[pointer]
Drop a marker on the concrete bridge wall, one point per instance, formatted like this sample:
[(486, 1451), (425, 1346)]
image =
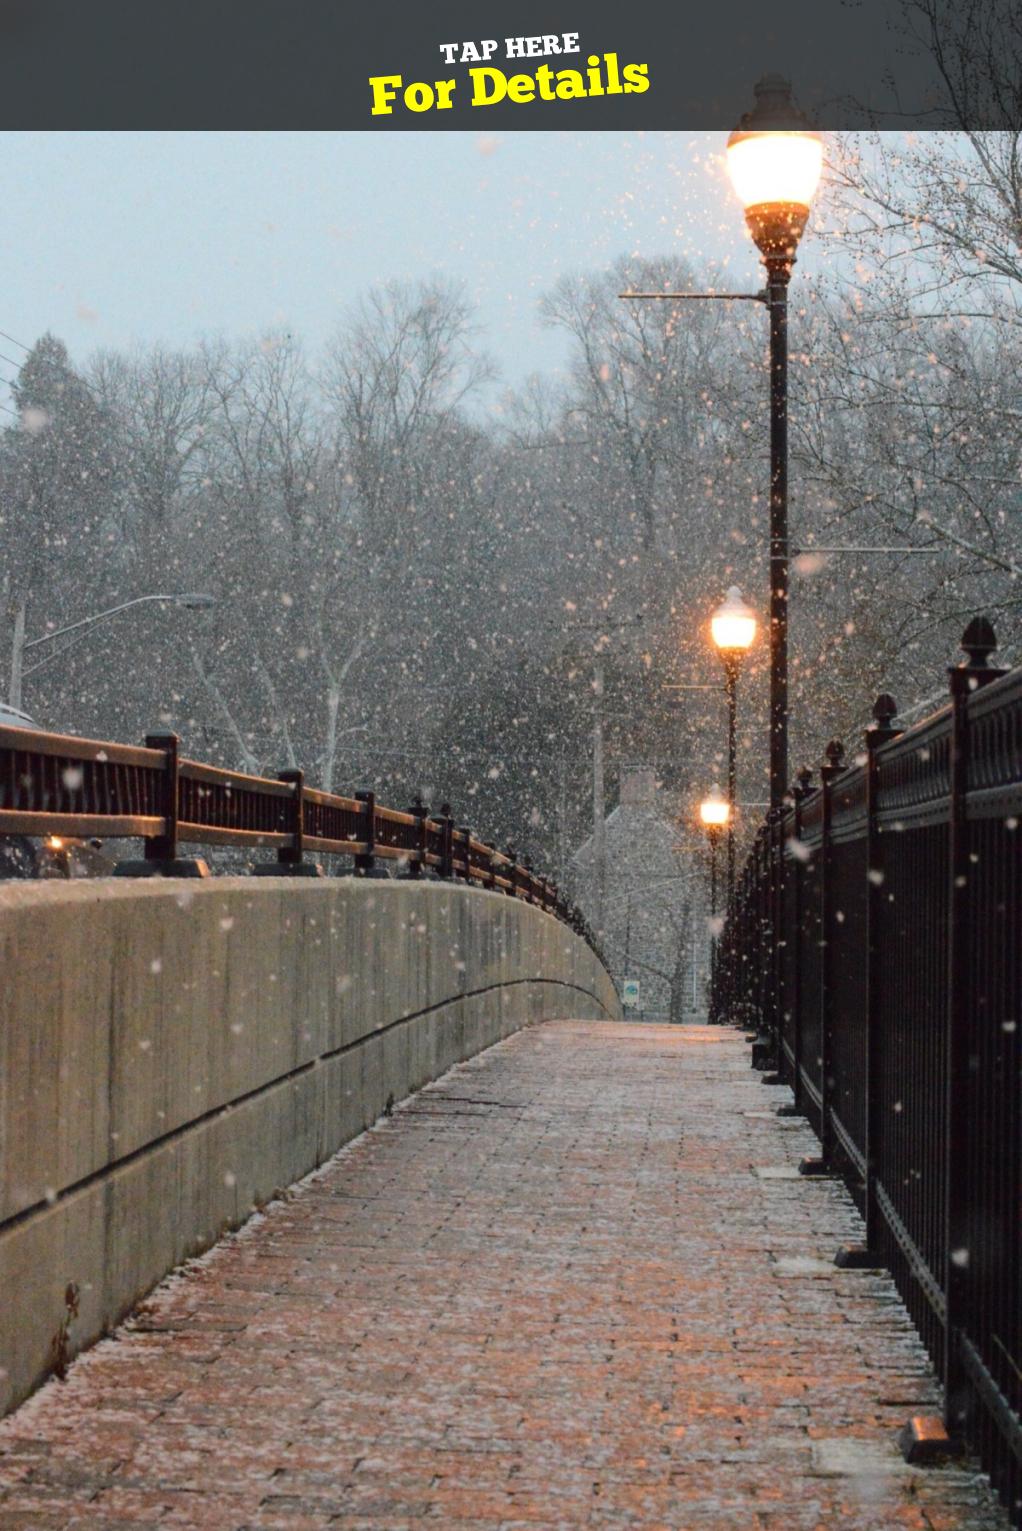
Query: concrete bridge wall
[(172, 1053)]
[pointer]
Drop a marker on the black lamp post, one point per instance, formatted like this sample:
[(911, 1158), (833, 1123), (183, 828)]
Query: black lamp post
[(733, 626), (775, 161), (714, 815)]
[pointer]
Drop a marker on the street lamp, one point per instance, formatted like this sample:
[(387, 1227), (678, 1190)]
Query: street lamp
[(196, 601), (733, 626), (775, 161), (715, 814)]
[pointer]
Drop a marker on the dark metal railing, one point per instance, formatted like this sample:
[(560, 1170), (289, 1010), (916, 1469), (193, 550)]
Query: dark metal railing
[(55, 784), (875, 944)]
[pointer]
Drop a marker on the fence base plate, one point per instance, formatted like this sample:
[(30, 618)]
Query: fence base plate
[(924, 1442), (790, 1111), (856, 1257), (288, 869), (180, 866), (814, 1168), (772, 1079)]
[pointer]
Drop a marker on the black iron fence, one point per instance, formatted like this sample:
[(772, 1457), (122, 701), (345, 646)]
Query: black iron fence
[(875, 943), (57, 785)]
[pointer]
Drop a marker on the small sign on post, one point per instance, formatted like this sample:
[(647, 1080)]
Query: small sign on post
[(630, 993)]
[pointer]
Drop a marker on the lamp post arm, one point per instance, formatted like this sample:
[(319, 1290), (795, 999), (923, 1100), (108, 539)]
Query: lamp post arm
[(702, 297), (99, 616), (800, 552)]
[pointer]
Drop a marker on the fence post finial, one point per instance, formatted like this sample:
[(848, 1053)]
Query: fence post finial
[(835, 753), (978, 642), (884, 709), (883, 727)]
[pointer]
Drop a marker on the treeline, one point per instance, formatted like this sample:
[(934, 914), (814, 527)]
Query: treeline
[(414, 573)]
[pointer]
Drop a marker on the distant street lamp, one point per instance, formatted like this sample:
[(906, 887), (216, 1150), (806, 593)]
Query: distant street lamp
[(733, 626), (775, 161), (715, 814), (21, 645)]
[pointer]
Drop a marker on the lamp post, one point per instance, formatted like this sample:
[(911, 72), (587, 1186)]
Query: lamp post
[(775, 161), (714, 814), (21, 646), (733, 626)]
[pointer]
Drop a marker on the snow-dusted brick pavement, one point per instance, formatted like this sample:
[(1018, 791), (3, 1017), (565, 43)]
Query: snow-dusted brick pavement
[(551, 1290)]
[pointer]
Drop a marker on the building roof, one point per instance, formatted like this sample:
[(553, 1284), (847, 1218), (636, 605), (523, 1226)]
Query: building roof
[(639, 835)]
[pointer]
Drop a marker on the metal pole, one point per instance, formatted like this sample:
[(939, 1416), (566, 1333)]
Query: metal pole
[(714, 836), (731, 684), (17, 655), (778, 261), (599, 837), (778, 277)]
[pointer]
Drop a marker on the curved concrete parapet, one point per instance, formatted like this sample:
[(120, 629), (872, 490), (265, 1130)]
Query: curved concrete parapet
[(171, 1053)]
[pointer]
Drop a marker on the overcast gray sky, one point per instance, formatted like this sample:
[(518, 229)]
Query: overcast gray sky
[(109, 238)]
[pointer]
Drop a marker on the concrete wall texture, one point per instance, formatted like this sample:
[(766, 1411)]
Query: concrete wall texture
[(172, 1053)]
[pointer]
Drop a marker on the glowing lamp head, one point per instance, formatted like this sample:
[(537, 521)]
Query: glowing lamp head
[(775, 160), (733, 624), (714, 810)]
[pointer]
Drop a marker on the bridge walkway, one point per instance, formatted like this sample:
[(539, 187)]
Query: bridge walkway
[(574, 1283)]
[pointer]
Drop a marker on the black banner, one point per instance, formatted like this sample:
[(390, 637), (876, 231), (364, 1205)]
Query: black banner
[(536, 64)]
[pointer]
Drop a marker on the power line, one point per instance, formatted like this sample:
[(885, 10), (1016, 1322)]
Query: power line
[(15, 342)]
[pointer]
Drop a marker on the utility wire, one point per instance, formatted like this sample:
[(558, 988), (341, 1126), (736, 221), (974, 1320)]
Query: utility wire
[(15, 342)]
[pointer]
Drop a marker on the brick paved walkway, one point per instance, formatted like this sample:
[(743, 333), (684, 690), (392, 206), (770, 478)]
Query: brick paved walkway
[(551, 1291)]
